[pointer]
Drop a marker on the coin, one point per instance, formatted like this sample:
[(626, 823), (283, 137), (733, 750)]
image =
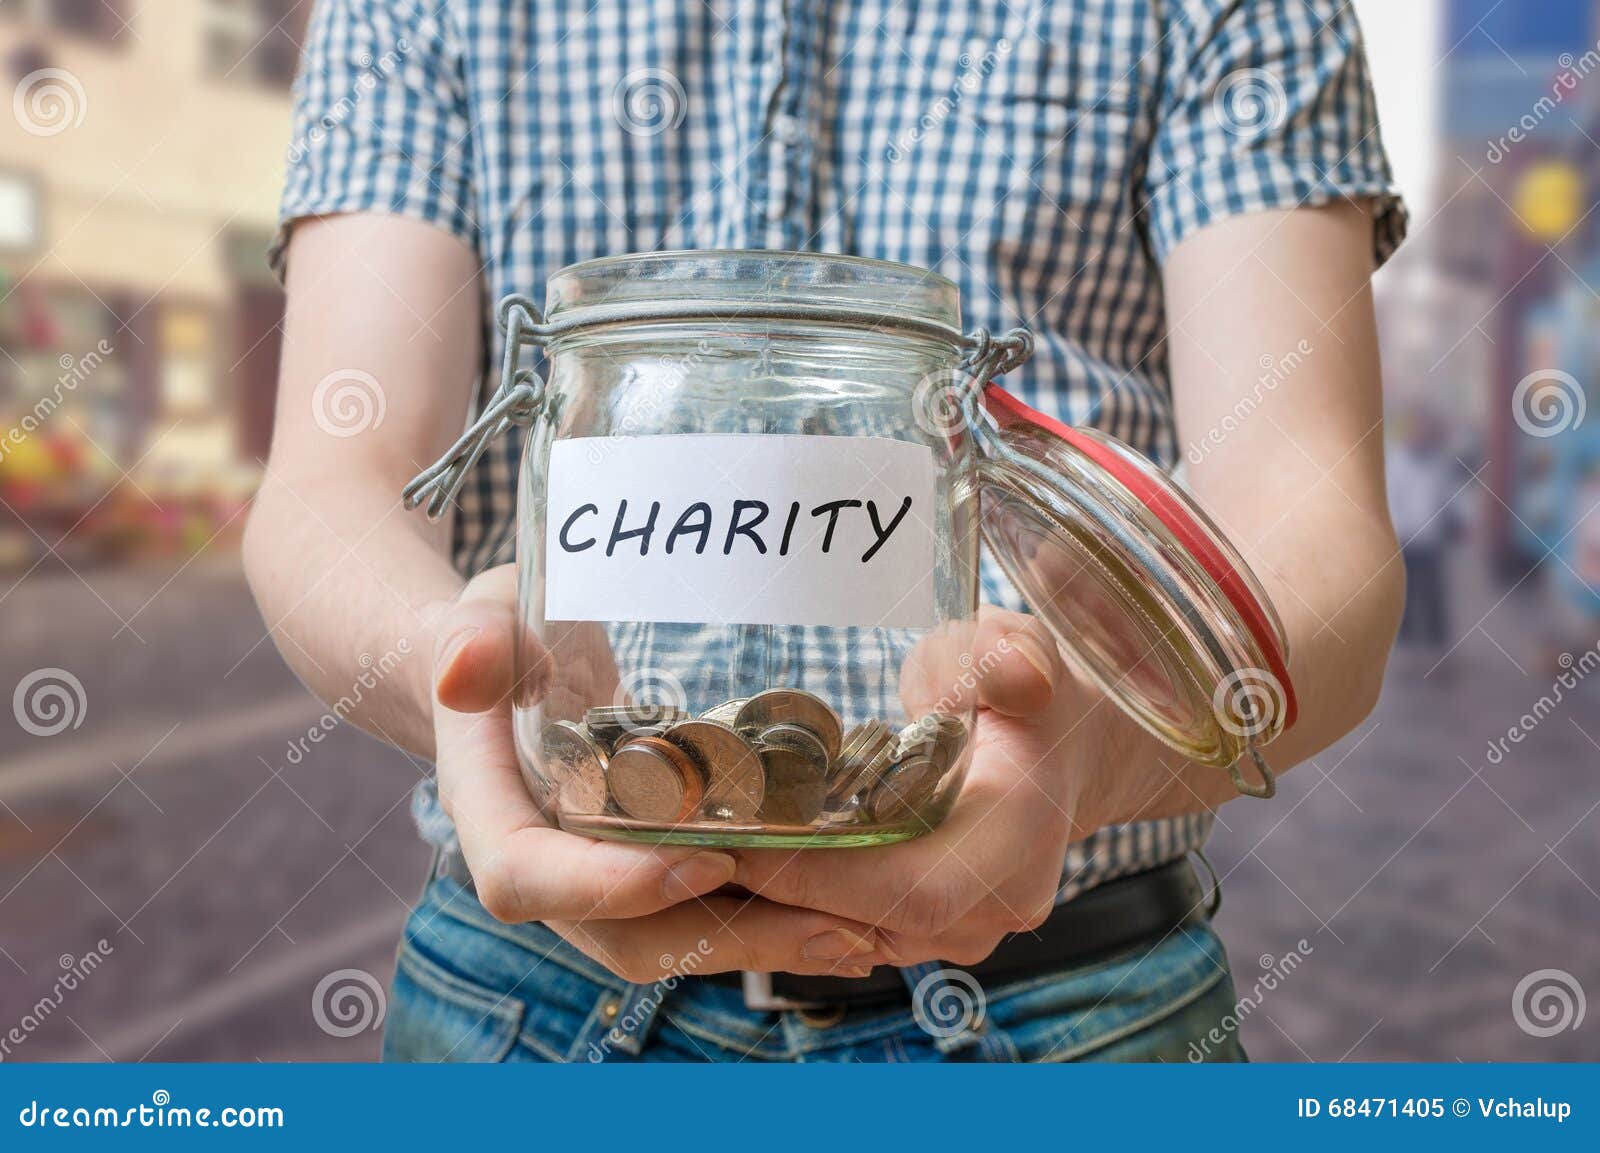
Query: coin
[(797, 785), (798, 738), (777, 706), (612, 724), (735, 779), (901, 793), (651, 779), (725, 713), (577, 765), (941, 736), (867, 751)]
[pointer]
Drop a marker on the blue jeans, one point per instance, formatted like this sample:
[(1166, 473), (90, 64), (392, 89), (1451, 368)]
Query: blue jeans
[(468, 988)]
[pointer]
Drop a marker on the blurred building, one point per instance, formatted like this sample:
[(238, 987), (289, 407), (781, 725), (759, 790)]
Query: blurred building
[(141, 158), (1516, 259)]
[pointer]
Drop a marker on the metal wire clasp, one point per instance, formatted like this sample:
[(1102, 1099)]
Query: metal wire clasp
[(518, 400)]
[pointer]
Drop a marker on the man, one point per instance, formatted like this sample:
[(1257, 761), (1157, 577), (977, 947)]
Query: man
[(1169, 195)]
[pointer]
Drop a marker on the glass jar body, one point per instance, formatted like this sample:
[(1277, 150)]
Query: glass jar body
[(747, 586)]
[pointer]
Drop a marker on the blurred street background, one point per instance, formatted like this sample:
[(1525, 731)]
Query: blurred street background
[(1436, 876)]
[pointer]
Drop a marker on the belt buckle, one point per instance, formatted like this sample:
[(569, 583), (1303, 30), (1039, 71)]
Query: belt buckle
[(759, 997)]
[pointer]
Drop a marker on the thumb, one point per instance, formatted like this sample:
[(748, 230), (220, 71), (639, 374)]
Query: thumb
[(475, 651), (1020, 663)]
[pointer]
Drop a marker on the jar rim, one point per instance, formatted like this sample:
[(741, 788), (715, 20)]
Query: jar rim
[(733, 280)]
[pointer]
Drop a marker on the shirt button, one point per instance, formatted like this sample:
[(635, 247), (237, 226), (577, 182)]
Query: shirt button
[(786, 129)]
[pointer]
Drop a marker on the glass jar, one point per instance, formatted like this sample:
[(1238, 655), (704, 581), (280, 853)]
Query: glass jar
[(749, 516)]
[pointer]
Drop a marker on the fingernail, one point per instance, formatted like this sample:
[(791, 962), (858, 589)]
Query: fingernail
[(1029, 648), (890, 953), (452, 647), (697, 875), (837, 943), (852, 971)]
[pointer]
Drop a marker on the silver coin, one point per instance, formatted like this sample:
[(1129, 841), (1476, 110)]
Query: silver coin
[(726, 713), (792, 706), (653, 780), (941, 736), (903, 791), (735, 778), (797, 786), (868, 749), (576, 765)]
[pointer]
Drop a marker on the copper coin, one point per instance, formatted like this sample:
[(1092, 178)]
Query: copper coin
[(576, 765), (792, 706), (868, 749), (797, 785), (903, 791), (651, 779), (735, 779)]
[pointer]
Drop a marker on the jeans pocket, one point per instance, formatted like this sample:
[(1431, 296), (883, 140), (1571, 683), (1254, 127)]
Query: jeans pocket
[(435, 1015), (1141, 1005)]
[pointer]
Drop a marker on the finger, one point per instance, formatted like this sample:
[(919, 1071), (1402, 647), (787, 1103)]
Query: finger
[(474, 655), (525, 870), (725, 935), (1020, 661)]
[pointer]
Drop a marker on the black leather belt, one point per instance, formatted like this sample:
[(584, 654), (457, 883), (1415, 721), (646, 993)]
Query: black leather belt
[(1110, 918)]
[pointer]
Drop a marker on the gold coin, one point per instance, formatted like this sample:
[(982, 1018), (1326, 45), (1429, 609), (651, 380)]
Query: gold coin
[(797, 785), (792, 706), (735, 779), (903, 791), (651, 779)]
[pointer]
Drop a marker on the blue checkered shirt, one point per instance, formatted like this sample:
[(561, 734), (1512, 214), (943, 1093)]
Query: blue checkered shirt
[(1047, 157)]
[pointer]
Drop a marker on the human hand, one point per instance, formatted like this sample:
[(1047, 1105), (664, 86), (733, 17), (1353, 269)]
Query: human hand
[(639, 910)]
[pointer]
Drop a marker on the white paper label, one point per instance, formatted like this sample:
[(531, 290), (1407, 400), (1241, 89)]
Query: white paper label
[(754, 529)]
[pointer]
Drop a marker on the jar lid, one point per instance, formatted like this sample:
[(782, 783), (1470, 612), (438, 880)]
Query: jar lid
[(1143, 591)]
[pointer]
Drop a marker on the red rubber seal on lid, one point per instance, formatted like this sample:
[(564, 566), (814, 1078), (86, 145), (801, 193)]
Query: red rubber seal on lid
[(1154, 495)]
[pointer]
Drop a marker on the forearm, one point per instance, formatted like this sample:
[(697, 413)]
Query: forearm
[(349, 586)]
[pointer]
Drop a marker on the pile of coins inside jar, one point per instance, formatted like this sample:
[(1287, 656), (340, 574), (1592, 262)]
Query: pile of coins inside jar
[(781, 757)]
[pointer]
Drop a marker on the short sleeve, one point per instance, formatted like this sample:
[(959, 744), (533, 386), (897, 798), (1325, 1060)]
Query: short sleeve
[(1264, 105), (381, 121)]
